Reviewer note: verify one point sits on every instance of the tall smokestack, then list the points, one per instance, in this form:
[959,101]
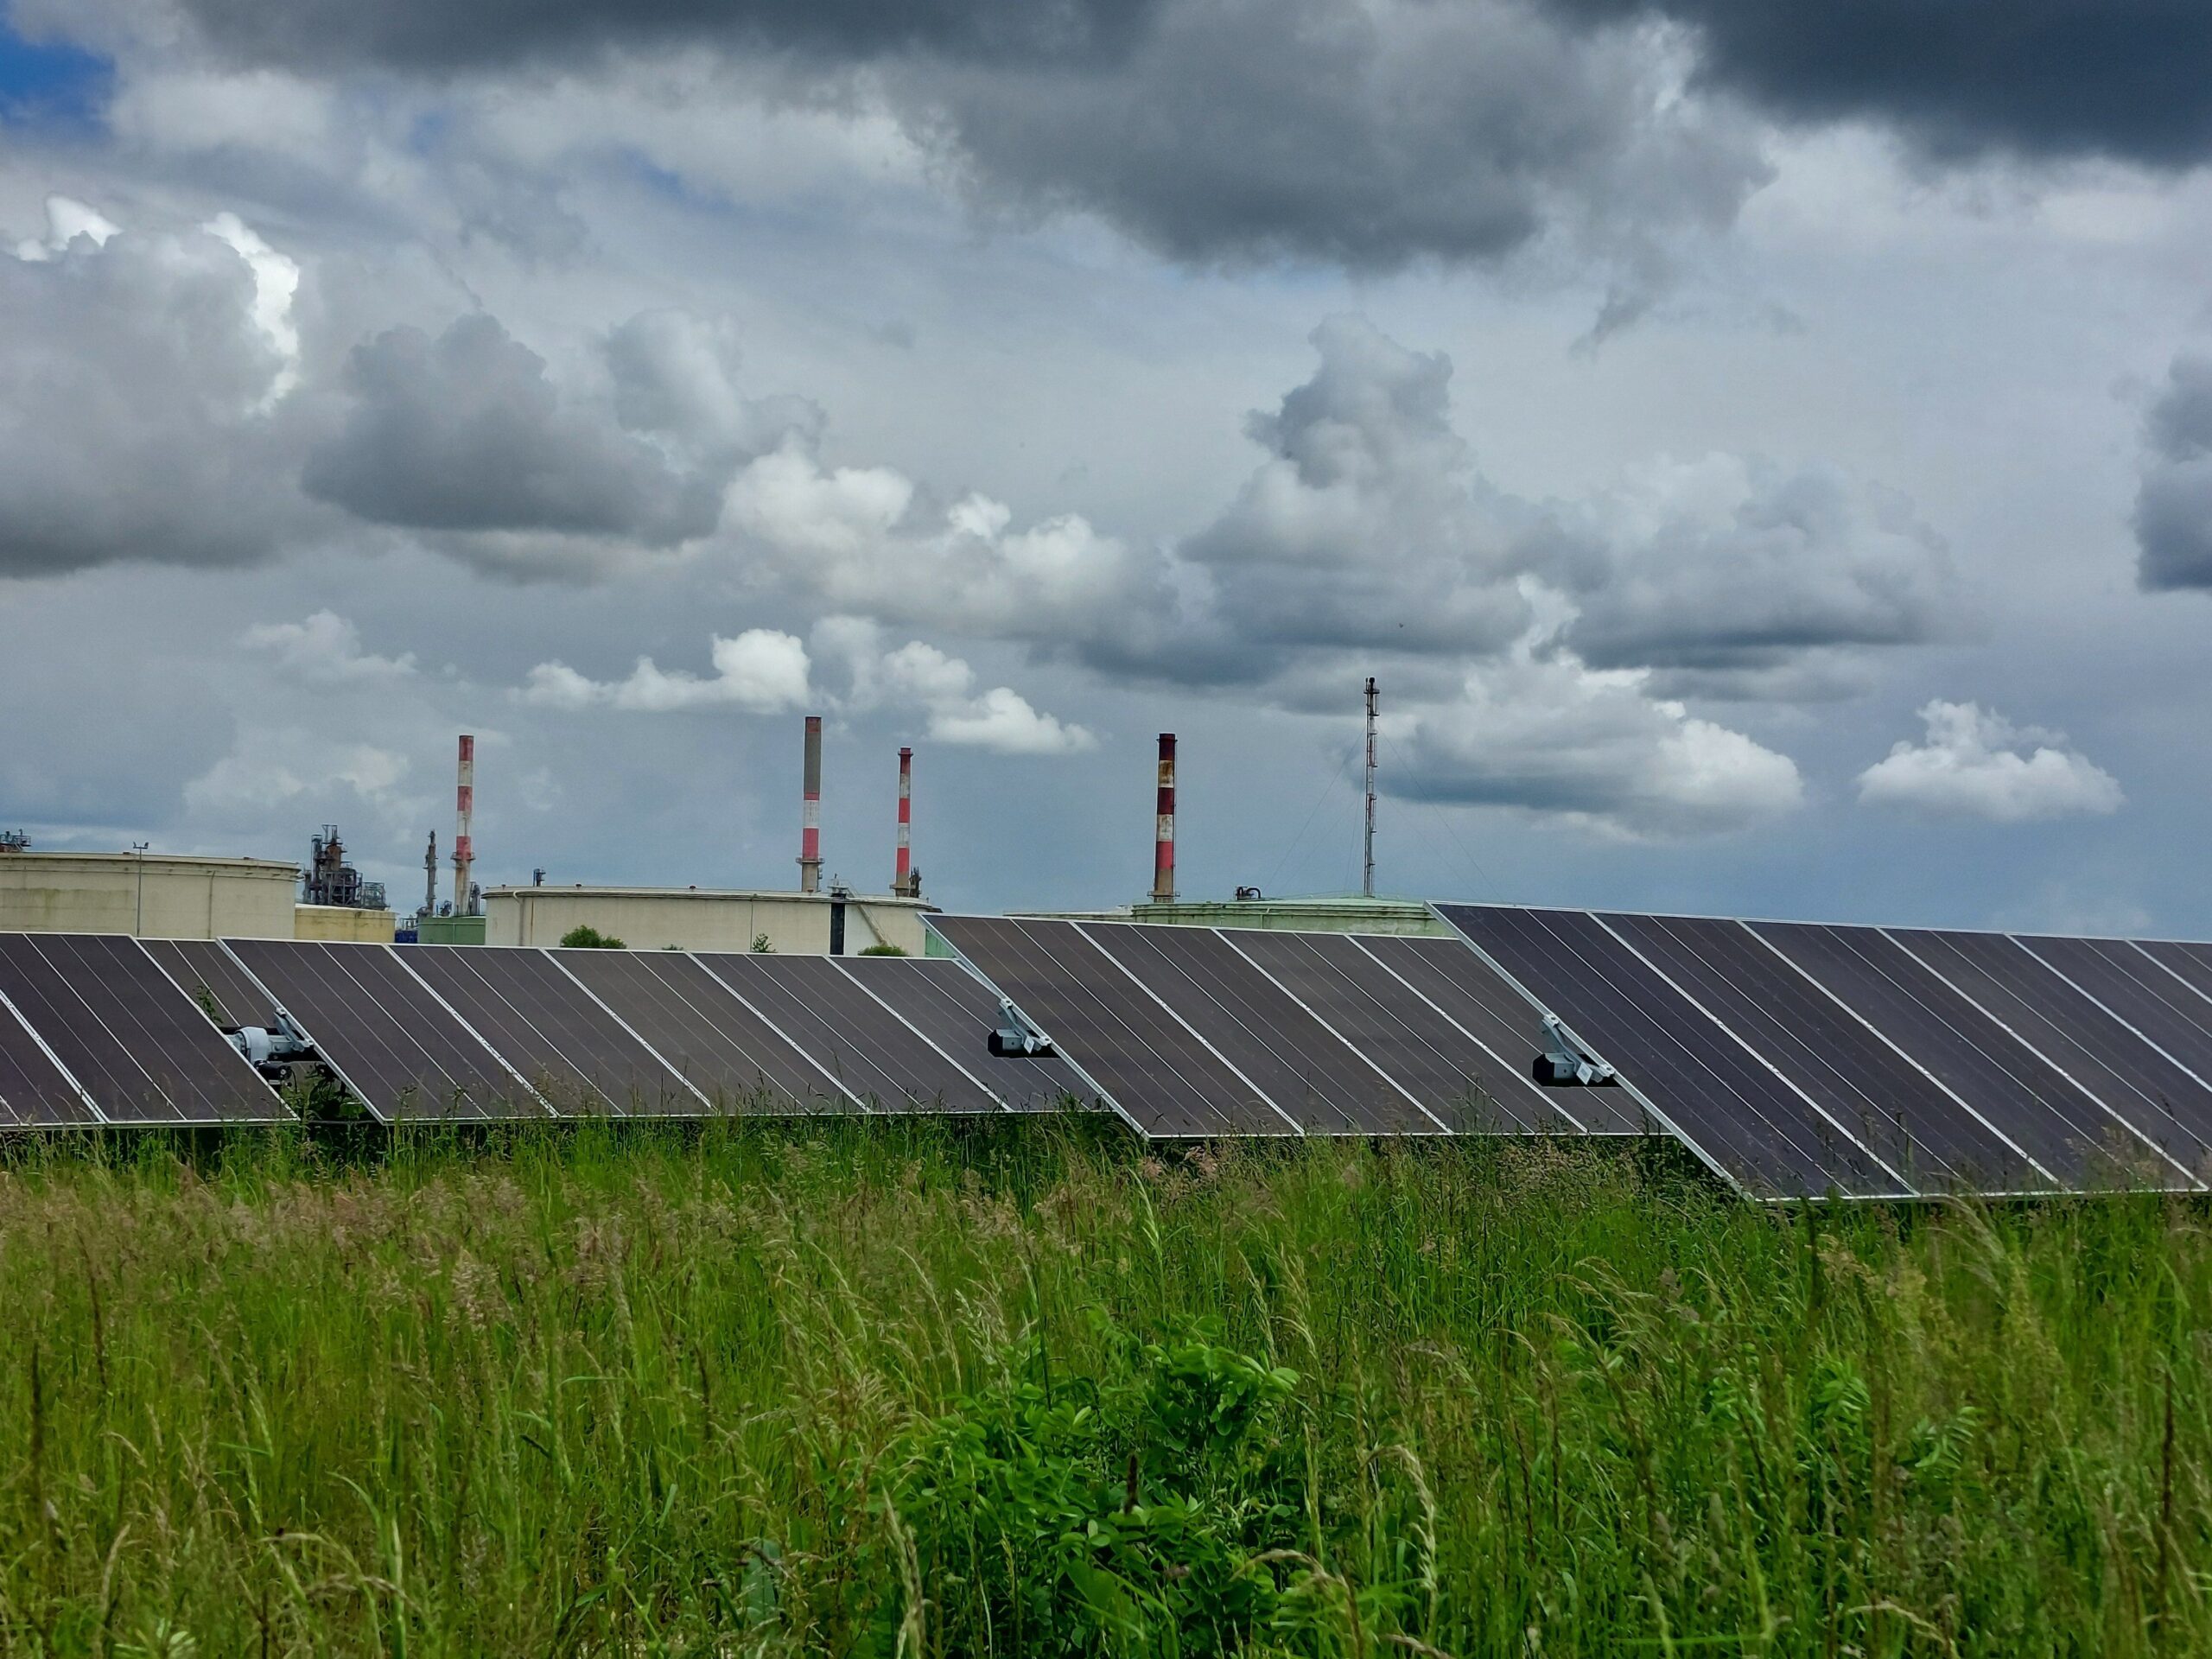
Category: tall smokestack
[1367,879]
[1163,846]
[902,881]
[464,801]
[810,811]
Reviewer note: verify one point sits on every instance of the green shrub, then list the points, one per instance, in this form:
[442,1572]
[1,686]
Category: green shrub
[584,937]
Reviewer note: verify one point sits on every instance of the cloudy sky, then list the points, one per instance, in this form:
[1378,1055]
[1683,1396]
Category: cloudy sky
[1764,453]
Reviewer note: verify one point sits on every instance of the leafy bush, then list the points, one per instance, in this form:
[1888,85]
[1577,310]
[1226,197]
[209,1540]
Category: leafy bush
[1149,1514]
[585,937]
[884,951]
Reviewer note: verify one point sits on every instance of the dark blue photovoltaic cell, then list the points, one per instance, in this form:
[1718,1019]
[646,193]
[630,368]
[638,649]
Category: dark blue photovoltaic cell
[2158,1101]
[35,1092]
[1723,1100]
[1872,1092]
[1165,1080]
[405,1054]
[957,1012]
[141,1047]
[1259,1028]
[2136,990]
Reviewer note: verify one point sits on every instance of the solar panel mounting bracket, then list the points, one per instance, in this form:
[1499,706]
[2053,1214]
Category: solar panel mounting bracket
[1018,1036]
[1567,1062]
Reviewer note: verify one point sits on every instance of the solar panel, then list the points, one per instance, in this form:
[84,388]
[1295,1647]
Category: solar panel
[1464,989]
[1718,1096]
[400,1050]
[1162,1077]
[2158,1100]
[36,1093]
[2149,1000]
[720,1045]
[1445,1073]
[882,1061]
[212,978]
[1875,1094]
[2190,963]
[578,1056]
[128,1034]
[1260,1029]
[957,1013]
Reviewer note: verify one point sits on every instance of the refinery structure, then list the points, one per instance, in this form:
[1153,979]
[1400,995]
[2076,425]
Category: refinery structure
[160,895]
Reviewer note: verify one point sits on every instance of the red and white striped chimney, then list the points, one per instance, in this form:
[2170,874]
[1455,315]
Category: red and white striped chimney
[810,811]
[1163,846]
[902,881]
[464,801]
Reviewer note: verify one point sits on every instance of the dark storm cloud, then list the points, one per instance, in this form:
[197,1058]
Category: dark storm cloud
[133,416]
[465,433]
[1365,136]
[437,37]
[2124,79]
[1216,131]
[2173,510]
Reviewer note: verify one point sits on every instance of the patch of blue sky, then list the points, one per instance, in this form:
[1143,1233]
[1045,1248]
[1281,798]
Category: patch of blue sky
[50,83]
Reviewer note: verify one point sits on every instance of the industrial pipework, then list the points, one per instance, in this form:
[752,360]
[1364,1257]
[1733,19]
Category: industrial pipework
[809,818]
[1163,846]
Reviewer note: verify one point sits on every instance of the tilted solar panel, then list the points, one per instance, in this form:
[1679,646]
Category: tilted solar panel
[723,1049]
[1466,991]
[957,1013]
[212,978]
[2158,1101]
[1162,1077]
[394,1044]
[1719,1095]
[1258,1027]
[877,1056]
[36,1093]
[579,1057]
[1456,1081]
[139,1046]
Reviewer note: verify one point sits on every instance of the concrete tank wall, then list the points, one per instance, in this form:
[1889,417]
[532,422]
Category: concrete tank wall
[161,896]
[652,918]
[342,925]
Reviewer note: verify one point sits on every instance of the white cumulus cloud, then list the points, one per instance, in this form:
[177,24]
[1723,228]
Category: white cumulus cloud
[324,648]
[1974,763]
[761,672]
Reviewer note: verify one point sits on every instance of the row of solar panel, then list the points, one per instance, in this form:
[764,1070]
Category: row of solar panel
[1793,1058]
[103,1029]
[1798,1058]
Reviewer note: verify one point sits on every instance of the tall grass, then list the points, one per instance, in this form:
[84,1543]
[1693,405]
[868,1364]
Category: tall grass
[910,1389]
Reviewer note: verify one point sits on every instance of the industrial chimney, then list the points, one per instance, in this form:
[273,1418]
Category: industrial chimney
[464,854]
[905,884]
[1163,848]
[809,818]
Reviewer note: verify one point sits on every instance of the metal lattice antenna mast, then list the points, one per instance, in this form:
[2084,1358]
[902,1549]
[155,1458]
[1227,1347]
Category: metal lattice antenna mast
[1367,880]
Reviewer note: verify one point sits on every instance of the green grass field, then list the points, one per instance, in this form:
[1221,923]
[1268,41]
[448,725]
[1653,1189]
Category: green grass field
[1021,1388]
